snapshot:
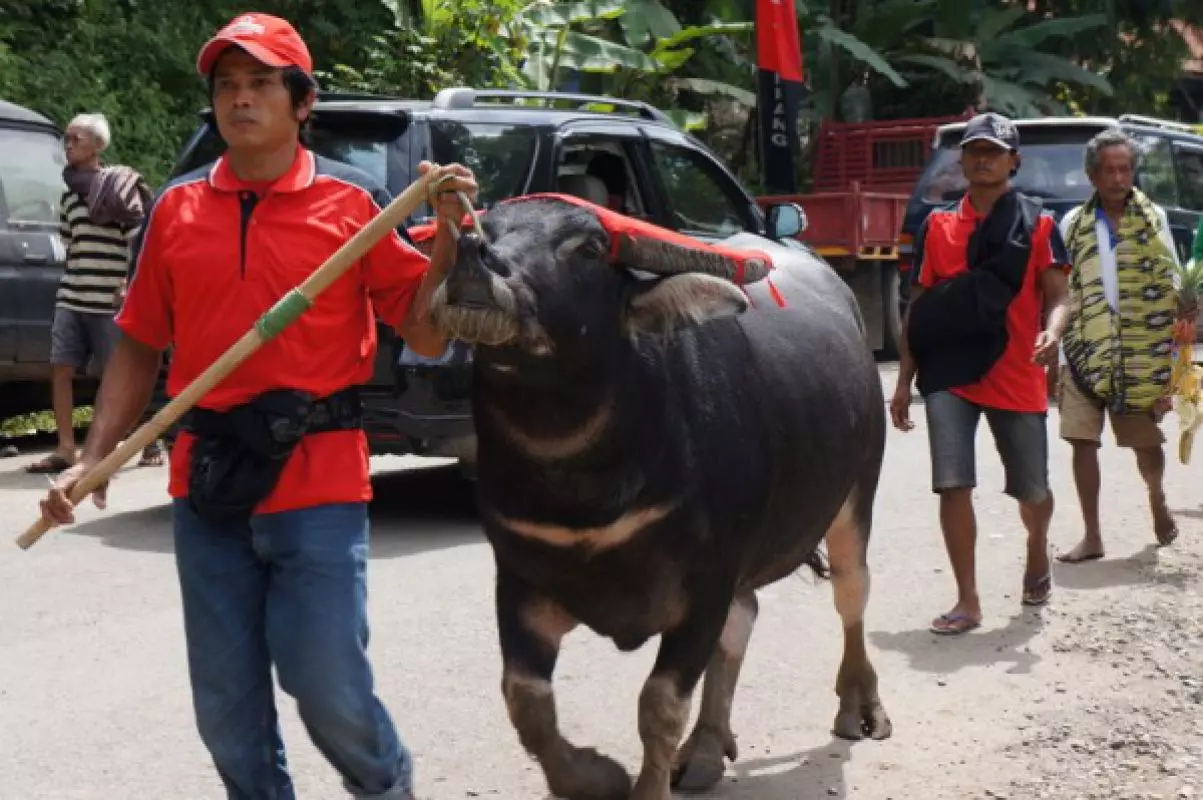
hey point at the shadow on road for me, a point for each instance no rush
(414, 511)
(816, 774)
(1107, 573)
(939, 654)
(417, 510)
(20, 479)
(1189, 513)
(809, 775)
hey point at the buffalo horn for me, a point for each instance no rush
(667, 258)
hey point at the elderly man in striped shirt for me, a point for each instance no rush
(102, 210)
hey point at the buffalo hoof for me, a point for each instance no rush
(588, 775)
(856, 723)
(699, 765)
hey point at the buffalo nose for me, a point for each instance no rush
(469, 282)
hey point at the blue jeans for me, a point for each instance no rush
(287, 590)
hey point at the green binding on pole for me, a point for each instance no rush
(285, 312)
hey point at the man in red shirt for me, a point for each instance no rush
(270, 477)
(986, 269)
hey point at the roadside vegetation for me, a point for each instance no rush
(865, 59)
(875, 59)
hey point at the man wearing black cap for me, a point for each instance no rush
(270, 477)
(988, 269)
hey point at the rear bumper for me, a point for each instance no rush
(395, 427)
(425, 410)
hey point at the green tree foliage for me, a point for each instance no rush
(134, 61)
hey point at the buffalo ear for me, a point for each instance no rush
(670, 304)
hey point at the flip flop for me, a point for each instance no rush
(1039, 592)
(153, 456)
(958, 624)
(51, 464)
(1066, 558)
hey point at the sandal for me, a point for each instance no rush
(153, 455)
(1039, 592)
(51, 464)
(954, 624)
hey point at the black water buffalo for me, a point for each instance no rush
(652, 451)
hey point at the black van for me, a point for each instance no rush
(32, 258)
(1053, 169)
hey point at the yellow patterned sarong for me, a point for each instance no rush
(1122, 357)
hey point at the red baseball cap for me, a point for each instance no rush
(266, 38)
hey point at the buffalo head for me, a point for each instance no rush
(548, 279)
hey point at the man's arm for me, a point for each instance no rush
(416, 329)
(1054, 287)
(125, 389)
(906, 362)
(1054, 265)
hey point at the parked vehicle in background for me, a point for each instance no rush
(32, 259)
(864, 174)
(612, 152)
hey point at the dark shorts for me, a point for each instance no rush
(76, 338)
(1021, 439)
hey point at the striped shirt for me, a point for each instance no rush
(97, 259)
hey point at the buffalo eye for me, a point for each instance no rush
(592, 247)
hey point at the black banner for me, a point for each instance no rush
(779, 92)
(777, 104)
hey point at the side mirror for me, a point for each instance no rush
(786, 220)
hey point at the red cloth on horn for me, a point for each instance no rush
(620, 225)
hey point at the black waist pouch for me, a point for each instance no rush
(237, 455)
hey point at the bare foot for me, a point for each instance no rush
(1164, 526)
(1086, 550)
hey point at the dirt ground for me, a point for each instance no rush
(1098, 696)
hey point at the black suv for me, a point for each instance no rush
(1053, 149)
(516, 143)
(32, 259)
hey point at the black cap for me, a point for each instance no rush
(994, 128)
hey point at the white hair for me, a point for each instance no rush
(97, 125)
(1112, 137)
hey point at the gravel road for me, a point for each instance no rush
(1099, 695)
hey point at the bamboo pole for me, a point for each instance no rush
(285, 312)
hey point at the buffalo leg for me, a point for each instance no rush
(665, 700)
(699, 764)
(861, 712)
(531, 629)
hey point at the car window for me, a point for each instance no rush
(500, 156)
(698, 201)
(366, 147)
(1051, 167)
(1189, 161)
(601, 169)
(1156, 173)
(31, 177)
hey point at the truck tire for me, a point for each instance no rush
(893, 310)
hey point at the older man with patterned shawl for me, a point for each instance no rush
(1124, 301)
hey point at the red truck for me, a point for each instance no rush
(864, 174)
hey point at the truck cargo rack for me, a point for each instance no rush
(460, 97)
(1154, 122)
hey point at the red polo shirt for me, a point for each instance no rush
(217, 252)
(1015, 382)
